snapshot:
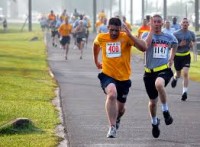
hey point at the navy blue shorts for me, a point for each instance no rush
(121, 86)
(65, 40)
(150, 78)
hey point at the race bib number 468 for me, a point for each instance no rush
(113, 49)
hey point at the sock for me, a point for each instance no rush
(176, 78)
(165, 107)
(185, 89)
(154, 120)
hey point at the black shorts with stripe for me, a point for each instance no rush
(182, 61)
(150, 79)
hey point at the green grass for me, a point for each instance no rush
(194, 72)
(19, 27)
(26, 90)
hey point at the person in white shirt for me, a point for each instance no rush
(167, 29)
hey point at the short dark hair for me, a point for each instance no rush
(148, 17)
(115, 21)
(157, 15)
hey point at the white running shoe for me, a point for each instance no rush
(112, 132)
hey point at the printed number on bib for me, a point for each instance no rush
(113, 49)
(160, 51)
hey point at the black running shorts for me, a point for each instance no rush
(150, 78)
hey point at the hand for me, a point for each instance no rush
(182, 43)
(125, 28)
(191, 44)
(99, 65)
(151, 23)
(170, 63)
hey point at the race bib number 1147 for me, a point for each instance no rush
(160, 51)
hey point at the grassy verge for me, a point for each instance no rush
(26, 90)
(194, 71)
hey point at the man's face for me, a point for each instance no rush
(174, 20)
(185, 24)
(66, 20)
(114, 31)
(145, 22)
(167, 24)
(157, 22)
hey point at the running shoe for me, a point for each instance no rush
(118, 123)
(184, 96)
(173, 83)
(167, 117)
(112, 132)
(155, 129)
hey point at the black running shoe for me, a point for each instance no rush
(118, 123)
(168, 118)
(173, 83)
(156, 130)
(184, 96)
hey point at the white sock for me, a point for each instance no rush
(154, 120)
(176, 78)
(165, 107)
(185, 89)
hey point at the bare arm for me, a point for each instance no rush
(172, 54)
(139, 43)
(150, 34)
(96, 49)
(149, 39)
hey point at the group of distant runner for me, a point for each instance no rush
(63, 26)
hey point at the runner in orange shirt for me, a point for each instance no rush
(65, 30)
(52, 26)
(64, 15)
(144, 28)
(51, 16)
(115, 80)
(101, 15)
(98, 24)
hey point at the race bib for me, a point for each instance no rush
(113, 49)
(160, 50)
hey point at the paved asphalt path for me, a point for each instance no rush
(82, 102)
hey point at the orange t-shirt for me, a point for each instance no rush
(65, 29)
(116, 55)
(143, 29)
(98, 24)
(63, 17)
(52, 17)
